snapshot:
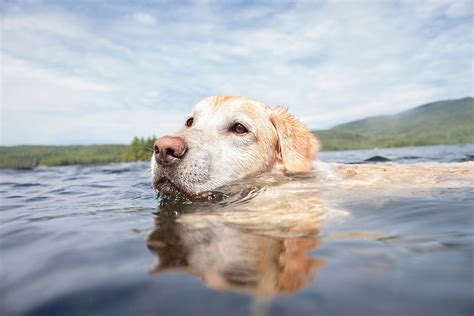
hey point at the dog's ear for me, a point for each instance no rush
(297, 146)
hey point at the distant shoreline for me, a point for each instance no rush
(448, 122)
(32, 156)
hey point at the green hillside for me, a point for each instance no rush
(443, 122)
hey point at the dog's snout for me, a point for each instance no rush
(169, 149)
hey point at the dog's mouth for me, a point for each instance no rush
(165, 185)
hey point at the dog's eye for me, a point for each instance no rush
(190, 122)
(238, 129)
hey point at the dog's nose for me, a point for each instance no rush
(169, 149)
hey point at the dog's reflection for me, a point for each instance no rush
(229, 253)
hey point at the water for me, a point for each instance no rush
(94, 241)
(404, 155)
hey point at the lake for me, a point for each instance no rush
(95, 240)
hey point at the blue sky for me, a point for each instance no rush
(83, 72)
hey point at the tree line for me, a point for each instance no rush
(140, 149)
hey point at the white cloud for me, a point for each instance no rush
(460, 9)
(86, 128)
(329, 62)
(389, 104)
(28, 88)
(144, 18)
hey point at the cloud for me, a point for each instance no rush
(328, 61)
(392, 104)
(30, 89)
(93, 127)
(144, 18)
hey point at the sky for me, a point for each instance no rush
(90, 72)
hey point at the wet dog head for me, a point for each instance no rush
(229, 138)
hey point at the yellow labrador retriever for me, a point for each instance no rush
(229, 138)
(245, 247)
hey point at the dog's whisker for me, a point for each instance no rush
(147, 171)
(148, 148)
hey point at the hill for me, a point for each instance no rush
(443, 122)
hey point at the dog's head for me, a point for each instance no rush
(229, 138)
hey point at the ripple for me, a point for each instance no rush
(15, 196)
(8, 183)
(377, 159)
(26, 185)
(75, 178)
(37, 199)
(64, 192)
(118, 171)
(10, 207)
(466, 158)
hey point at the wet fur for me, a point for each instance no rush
(216, 157)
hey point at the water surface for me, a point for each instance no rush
(95, 240)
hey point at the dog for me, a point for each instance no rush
(263, 237)
(228, 138)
